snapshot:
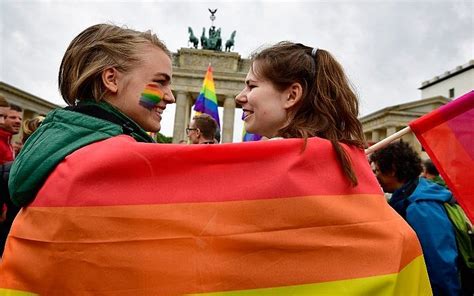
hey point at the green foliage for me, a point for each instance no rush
(160, 138)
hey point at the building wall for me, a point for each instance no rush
(461, 80)
(31, 104)
(385, 122)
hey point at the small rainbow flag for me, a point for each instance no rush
(447, 135)
(151, 96)
(206, 102)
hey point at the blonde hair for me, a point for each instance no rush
(30, 125)
(95, 49)
(3, 101)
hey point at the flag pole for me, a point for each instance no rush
(387, 140)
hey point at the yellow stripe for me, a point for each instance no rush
(412, 280)
(9, 292)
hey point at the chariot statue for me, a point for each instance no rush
(214, 40)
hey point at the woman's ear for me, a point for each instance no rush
(295, 92)
(109, 79)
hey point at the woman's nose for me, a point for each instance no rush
(169, 97)
(241, 98)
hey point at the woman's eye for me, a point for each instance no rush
(251, 86)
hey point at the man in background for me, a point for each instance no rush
(202, 129)
(420, 203)
(431, 173)
(6, 151)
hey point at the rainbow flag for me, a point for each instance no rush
(206, 102)
(165, 220)
(447, 134)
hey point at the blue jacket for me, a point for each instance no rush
(420, 202)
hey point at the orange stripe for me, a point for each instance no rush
(206, 247)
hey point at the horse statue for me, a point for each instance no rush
(193, 39)
(230, 43)
(203, 39)
(218, 40)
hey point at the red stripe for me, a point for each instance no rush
(119, 171)
(444, 113)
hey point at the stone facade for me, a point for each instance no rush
(31, 104)
(385, 122)
(189, 69)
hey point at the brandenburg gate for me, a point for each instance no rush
(189, 69)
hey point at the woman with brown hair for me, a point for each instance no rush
(296, 91)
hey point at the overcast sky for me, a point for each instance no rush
(388, 48)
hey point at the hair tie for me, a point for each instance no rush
(314, 51)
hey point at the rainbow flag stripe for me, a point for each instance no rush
(447, 134)
(165, 221)
(151, 96)
(206, 102)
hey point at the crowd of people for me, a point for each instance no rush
(291, 91)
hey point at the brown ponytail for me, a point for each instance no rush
(328, 108)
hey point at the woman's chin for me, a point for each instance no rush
(153, 128)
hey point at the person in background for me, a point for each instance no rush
(4, 107)
(217, 136)
(431, 173)
(11, 210)
(202, 129)
(10, 127)
(420, 203)
(6, 150)
(14, 119)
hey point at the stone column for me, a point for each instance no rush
(375, 136)
(228, 122)
(391, 130)
(179, 116)
(187, 114)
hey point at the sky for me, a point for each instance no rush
(387, 48)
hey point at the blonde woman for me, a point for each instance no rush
(104, 76)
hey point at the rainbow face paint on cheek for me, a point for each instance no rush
(151, 96)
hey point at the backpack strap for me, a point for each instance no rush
(463, 232)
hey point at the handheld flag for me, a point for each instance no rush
(165, 220)
(206, 102)
(447, 134)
